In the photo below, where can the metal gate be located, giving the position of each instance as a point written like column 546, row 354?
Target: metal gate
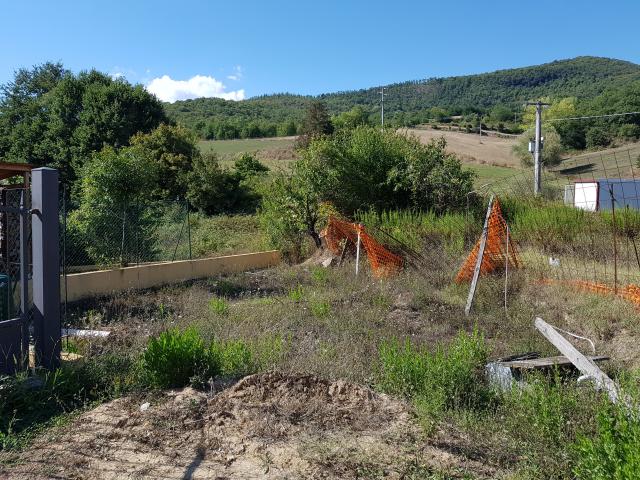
column 15, row 266
column 29, row 274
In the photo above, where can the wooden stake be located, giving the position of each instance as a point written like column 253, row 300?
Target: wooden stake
column 358, row 251
column 476, row 272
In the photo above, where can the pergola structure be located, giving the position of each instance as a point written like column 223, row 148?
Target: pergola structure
column 8, row 170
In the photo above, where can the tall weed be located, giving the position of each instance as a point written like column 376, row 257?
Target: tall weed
column 448, row 378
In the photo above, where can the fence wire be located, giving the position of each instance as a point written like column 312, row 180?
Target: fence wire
column 133, row 235
column 560, row 239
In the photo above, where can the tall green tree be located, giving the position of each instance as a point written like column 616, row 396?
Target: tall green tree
column 173, row 149
column 552, row 147
column 49, row 116
column 315, row 124
column 115, row 217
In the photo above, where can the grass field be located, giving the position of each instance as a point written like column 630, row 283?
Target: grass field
column 226, row 147
column 490, row 173
column 275, row 153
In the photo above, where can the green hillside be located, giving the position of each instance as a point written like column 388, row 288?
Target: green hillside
column 582, row 77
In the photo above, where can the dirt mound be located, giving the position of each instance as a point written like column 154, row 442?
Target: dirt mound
column 270, row 425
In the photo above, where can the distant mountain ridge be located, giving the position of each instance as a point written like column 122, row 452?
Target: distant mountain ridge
column 582, row 77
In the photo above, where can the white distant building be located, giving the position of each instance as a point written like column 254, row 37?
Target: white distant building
column 597, row 195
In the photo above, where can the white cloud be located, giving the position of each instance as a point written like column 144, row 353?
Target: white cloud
column 170, row 90
column 237, row 73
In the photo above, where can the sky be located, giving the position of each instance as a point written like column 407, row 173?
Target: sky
column 240, row 49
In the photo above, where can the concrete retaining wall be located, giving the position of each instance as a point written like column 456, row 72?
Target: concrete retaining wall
column 103, row 282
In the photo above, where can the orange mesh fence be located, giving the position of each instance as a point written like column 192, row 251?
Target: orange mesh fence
column 630, row 292
column 383, row 262
column 496, row 251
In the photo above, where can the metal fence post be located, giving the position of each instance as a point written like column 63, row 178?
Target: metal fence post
column 46, row 266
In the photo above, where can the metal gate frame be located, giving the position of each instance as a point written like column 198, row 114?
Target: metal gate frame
column 42, row 318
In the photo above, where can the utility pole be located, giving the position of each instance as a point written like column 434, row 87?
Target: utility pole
column 537, row 148
column 382, row 106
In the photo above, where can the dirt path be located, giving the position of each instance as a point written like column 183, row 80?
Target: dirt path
column 266, row 426
column 492, row 151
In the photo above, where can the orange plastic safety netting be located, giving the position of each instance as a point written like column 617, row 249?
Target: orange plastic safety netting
column 340, row 235
column 629, row 292
column 499, row 248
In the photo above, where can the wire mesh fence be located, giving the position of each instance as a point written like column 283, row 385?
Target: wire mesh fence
column 583, row 230
column 134, row 234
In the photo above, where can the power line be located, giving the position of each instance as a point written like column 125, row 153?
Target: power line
column 560, row 119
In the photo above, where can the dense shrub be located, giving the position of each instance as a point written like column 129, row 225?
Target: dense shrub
column 360, row 169
column 115, row 207
column 178, row 358
column 211, row 188
column 551, row 152
column 174, row 357
column 598, row 137
column 614, row 453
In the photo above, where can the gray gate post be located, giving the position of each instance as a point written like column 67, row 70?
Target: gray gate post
column 46, row 266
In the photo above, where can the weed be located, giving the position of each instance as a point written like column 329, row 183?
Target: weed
column 446, row 379
column 320, row 275
column 219, row 306
column 613, row 453
column 174, row 357
column 231, row 358
column 296, row 294
column 320, row 308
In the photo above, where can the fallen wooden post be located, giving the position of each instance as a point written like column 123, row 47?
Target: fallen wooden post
column 582, row 363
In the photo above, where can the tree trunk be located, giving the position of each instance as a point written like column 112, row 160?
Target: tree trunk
column 316, row 238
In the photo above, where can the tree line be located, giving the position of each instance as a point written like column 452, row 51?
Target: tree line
column 599, row 85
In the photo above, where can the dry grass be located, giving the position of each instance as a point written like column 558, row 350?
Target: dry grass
column 490, row 150
column 332, row 324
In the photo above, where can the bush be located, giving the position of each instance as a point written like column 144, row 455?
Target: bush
column 614, row 453
column 629, row 131
column 174, row 357
column 219, row 306
column 178, row 358
column 115, row 208
column 247, row 166
column 598, row 137
column 211, row 188
column 366, row 168
column 551, row 152
column 446, row 379
column 231, row 358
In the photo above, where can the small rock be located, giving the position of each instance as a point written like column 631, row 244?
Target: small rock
column 145, row 406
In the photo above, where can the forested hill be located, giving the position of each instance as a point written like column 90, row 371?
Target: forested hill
column 582, row 77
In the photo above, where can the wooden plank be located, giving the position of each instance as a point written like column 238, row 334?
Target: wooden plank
column 476, row 272
column 546, row 362
column 582, row 363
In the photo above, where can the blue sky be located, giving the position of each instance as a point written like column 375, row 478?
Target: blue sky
column 245, row 48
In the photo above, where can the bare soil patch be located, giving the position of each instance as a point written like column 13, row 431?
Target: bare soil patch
column 270, row 425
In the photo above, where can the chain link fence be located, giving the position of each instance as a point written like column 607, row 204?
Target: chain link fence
column 112, row 238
